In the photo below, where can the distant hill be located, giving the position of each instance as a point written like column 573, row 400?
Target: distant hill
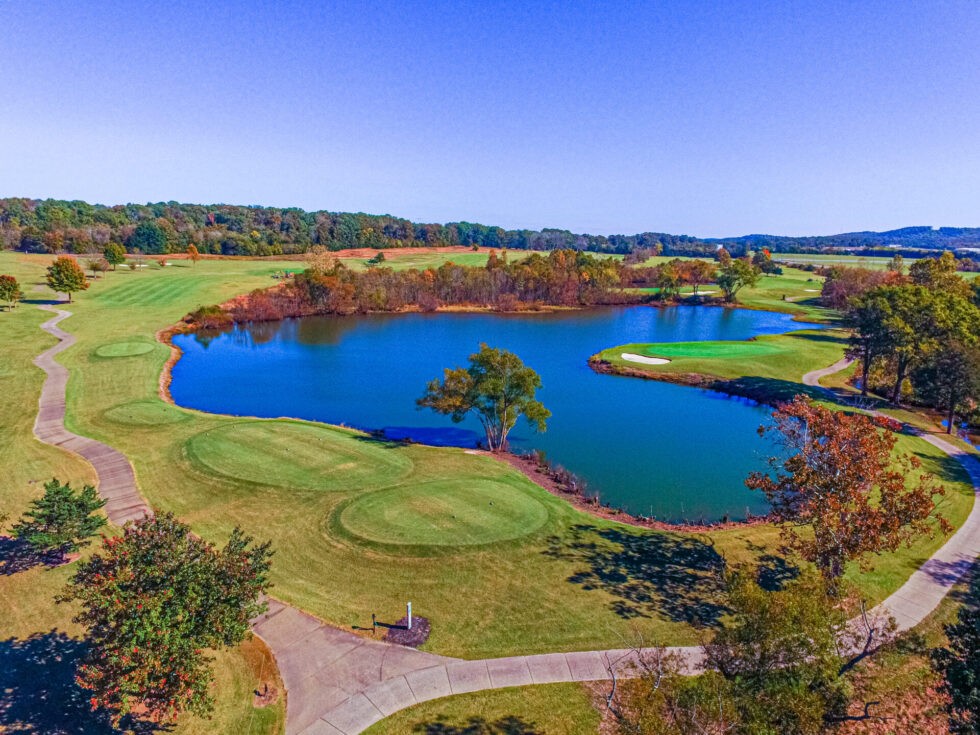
column 52, row 225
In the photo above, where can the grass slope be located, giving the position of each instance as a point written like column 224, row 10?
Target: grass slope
column 555, row 709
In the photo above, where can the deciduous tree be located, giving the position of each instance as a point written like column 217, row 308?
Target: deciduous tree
column 735, row 276
column 66, row 276
column 776, row 666
column 497, row 387
column 62, row 519
column 153, row 600
column 949, row 379
column 10, row 291
column 842, row 484
column 193, row 255
column 114, row 254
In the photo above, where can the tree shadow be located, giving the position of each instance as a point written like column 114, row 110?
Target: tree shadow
column 43, row 302
column 820, row 336
column 38, row 693
column 509, row 725
column 17, row 556
column 775, row 572
column 948, row 572
column 944, row 467
column 773, row 390
column 679, row 578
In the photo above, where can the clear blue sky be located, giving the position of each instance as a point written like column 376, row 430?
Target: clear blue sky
column 706, row 118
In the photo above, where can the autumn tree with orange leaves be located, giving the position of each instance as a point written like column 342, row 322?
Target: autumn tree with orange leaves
column 842, row 484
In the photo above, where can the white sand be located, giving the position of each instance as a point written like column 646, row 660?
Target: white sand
column 645, row 360
column 812, row 290
column 702, row 293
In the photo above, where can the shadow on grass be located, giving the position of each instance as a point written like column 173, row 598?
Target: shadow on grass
column 648, row 574
column 44, row 302
column 510, row 725
column 774, row 390
column 944, row 467
column 38, row 693
column 17, row 556
column 774, row 572
column 820, row 336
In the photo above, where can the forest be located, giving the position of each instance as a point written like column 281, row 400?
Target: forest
column 52, row 225
column 566, row 278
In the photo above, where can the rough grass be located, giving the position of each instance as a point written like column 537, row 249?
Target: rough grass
column 555, row 709
column 572, row 583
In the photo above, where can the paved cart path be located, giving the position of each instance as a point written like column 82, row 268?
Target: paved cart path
column 117, row 481
column 338, row 683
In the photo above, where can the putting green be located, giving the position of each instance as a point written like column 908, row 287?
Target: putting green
column 444, row 513
column 748, row 348
column 145, row 413
column 124, row 349
column 293, row 455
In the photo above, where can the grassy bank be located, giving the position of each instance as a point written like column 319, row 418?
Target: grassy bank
column 555, row 709
column 361, row 526
column 767, row 368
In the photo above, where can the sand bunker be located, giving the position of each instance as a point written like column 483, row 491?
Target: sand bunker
column 645, row 360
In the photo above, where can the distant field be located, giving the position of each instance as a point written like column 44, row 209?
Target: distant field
column 873, row 263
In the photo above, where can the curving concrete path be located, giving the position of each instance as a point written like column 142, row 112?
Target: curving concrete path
column 117, row 481
column 338, row 683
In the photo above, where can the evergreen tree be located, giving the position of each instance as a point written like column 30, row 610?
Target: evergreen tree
column 62, row 519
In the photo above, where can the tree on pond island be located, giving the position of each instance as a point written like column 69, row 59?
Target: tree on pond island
column 842, row 483
column 497, row 386
column 153, row 600
column 66, row 276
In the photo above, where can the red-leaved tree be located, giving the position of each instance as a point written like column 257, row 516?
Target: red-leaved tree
column 843, row 485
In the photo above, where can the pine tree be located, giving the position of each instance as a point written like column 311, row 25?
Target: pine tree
column 62, row 519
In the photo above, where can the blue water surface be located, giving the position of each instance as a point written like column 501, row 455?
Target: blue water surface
column 653, row 448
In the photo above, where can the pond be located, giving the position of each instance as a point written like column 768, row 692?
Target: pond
column 653, row 448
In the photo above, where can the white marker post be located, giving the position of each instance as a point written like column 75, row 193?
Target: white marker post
column 410, row 616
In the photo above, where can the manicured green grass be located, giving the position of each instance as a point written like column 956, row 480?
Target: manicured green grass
column 793, row 292
column 296, row 456
column 445, row 513
column 493, row 582
column 782, row 357
column 555, row 709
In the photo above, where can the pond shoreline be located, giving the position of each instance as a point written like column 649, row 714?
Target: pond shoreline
column 539, row 475
column 610, row 507
column 704, row 381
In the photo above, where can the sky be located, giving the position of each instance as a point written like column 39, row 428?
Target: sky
column 703, row 118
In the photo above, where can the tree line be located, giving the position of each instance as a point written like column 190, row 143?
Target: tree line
column 916, row 334
column 53, row 225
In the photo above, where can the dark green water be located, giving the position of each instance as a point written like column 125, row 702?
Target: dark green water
column 653, row 448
